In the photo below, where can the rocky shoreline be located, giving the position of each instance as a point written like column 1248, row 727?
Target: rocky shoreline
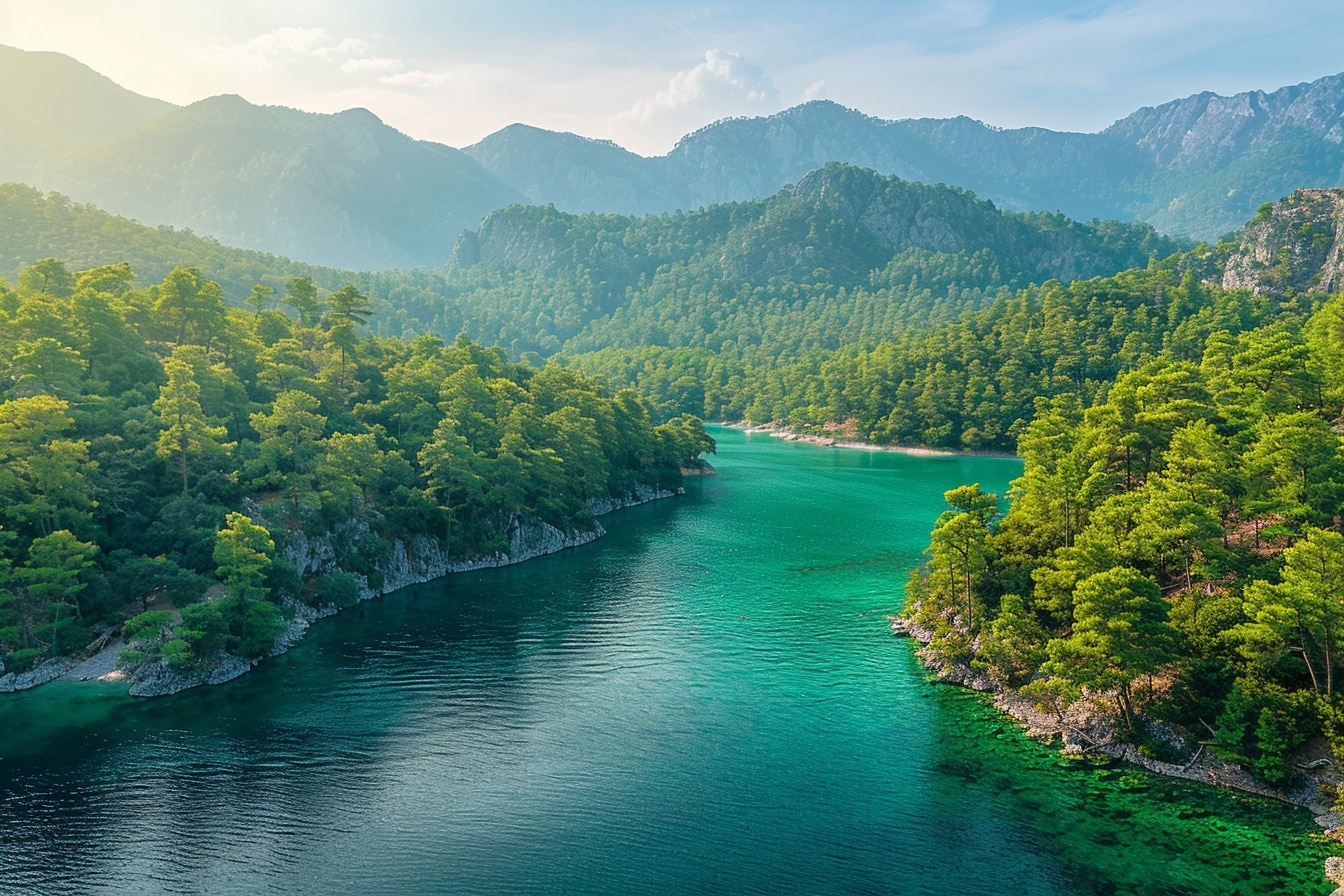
column 422, row 560
column 1082, row 730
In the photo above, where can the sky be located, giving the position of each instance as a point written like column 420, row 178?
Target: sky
column 645, row 74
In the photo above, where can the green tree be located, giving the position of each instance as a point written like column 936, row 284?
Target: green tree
column 1304, row 612
column 347, row 310
column 44, row 484
column 45, row 367
column 243, row 552
column 192, row 305
column 47, row 277
column 290, row 433
column 52, row 576
column 259, row 299
column 303, row 299
column 1119, row 634
column 184, row 429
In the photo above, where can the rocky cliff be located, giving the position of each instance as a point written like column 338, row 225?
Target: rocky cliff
column 1294, row 246
column 423, row 559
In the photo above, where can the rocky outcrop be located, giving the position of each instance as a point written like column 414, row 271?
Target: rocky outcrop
column 1207, row 128
column 48, row 671
column 1294, row 246
column 423, row 559
column 158, row 679
column 1083, row 728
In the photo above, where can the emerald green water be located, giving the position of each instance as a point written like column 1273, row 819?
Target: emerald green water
column 706, row 701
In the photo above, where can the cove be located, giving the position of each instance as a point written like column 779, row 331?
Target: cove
column 705, row 701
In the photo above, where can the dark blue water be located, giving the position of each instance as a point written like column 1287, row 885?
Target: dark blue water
column 706, row 701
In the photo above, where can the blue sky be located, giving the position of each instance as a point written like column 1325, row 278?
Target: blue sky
column 644, row 74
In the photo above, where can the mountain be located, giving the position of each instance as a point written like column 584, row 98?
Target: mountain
column 348, row 190
column 846, row 255
column 573, row 173
column 1198, row 166
column 38, row 226
column 51, row 103
column 854, row 254
column 341, row 189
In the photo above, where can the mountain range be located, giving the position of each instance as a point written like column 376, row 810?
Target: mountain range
column 349, row 190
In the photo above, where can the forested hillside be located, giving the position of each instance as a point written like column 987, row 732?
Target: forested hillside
column 1173, row 546
column 845, row 256
column 158, row 449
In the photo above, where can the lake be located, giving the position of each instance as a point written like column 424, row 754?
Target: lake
column 706, row 701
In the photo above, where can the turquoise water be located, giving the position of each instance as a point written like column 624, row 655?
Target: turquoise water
column 706, row 701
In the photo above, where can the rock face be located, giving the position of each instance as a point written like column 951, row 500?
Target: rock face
column 156, row 679
column 1296, row 245
column 1206, row 129
column 48, row 671
column 422, row 560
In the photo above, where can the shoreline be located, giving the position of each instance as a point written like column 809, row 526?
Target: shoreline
column 423, row 560
column 1078, row 731
column 783, row 432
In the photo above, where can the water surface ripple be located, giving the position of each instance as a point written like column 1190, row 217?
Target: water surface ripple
column 706, row 701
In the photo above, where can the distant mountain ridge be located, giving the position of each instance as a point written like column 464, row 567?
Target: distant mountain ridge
column 348, row 190
column 1198, row 166
column 344, row 190
column 51, row 103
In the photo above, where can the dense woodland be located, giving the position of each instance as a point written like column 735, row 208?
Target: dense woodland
column 158, row 448
column 1173, row 546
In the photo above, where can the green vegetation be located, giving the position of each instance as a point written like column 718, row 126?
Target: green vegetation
column 158, row 449
column 1173, row 544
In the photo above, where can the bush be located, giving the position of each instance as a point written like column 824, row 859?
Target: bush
column 179, row 654
column 147, row 626
column 261, row 623
column 23, row 660
column 337, row 587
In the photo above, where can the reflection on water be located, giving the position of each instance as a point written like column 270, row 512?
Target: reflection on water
column 707, row 701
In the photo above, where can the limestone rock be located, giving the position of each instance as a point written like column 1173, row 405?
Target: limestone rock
column 49, row 671
column 1297, row 244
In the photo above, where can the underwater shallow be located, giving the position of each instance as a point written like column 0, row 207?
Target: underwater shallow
column 707, row 700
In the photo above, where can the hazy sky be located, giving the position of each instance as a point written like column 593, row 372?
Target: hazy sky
column 644, row 74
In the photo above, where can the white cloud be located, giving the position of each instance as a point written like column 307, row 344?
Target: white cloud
column 815, row 91
column 371, row 64
column 722, row 86
column 417, row 79
column 308, row 54
column 265, row 52
column 723, row 78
